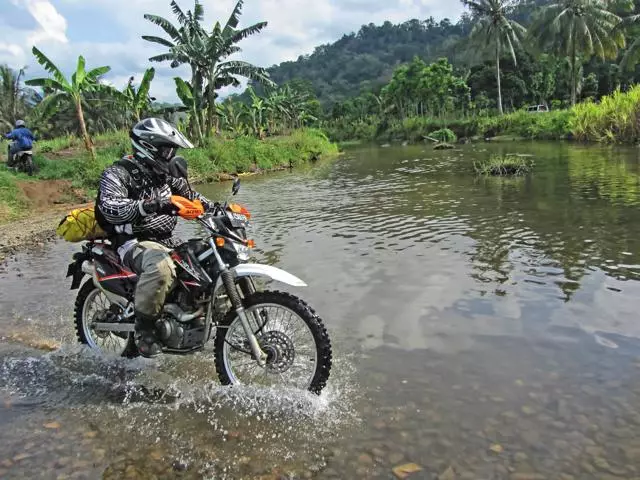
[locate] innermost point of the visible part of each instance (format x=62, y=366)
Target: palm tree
x=80, y=84
x=15, y=99
x=630, y=58
x=495, y=31
x=578, y=28
x=137, y=101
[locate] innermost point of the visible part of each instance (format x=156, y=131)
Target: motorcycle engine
x=170, y=330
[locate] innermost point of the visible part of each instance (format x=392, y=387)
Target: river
x=483, y=328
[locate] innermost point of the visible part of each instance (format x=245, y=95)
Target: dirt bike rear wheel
x=286, y=354
x=29, y=166
x=106, y=342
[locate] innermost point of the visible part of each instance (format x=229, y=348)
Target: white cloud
x=53, y=26
x=295, y=28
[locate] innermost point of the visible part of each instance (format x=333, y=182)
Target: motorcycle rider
x=134, y=208
x=22, y=138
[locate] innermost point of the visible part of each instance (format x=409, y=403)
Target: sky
x=107, y=32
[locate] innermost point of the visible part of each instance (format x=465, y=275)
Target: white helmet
x=155, y=142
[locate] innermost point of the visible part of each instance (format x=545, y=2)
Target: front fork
x=229, y=283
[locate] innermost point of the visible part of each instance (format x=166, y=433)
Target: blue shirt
x=23, y=137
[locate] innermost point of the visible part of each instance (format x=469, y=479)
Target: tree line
x=555, y=52
x=84, y=103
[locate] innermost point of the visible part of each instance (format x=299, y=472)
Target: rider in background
x=22, y=138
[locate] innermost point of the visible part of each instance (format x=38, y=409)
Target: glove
x=160, y=206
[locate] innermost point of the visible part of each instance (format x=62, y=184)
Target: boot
x=146, y=337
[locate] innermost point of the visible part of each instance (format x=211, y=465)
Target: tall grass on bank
x=616, y=119
x=234, y=155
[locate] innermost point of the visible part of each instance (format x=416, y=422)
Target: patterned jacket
x=120, y=199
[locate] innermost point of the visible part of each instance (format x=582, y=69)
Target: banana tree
x=277, y=106
x=185, y=45
x=138, y=101
x=232, y=117
x=186, y=95
x=218, y=72
x=255, y=111
x=80, y=84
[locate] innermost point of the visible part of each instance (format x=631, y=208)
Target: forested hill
x=366, y=59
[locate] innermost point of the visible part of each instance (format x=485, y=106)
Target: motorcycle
x=22, y=161
x=259, y=337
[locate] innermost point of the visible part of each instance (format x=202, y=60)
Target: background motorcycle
x=21, y=161
x=259, y=337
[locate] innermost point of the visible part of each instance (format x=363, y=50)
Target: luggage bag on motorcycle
x=80, y=224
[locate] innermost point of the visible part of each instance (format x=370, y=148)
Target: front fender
x=260, y=270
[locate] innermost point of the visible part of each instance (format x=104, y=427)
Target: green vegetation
x=221, y=156
x=616, y=119
x=503, y=165
x=496, y=32
x=256, y=133
x=81, y=82
x=206, y=53
x=579, y=29
x=12, y=200
x=443, y=135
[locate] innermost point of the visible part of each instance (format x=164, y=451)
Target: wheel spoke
x=286, y=339
x=95, y=308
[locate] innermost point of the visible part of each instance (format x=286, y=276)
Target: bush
x=503, y=165
x=444, y=135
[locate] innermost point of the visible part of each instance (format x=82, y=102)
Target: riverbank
x=31, y=207
x=66, y=175
x=614, y=119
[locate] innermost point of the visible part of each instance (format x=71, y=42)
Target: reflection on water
x=483, y=328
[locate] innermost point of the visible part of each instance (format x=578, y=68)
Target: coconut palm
x=495, y=31
x=578, y=29
x=15, y=99
x=630, y=26
x=81, y=83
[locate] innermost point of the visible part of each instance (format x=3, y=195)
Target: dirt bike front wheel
x=290, y=333
x=93, y=306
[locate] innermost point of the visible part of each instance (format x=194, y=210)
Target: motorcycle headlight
x=243, y=251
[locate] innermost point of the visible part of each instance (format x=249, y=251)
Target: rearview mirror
x=178, y=167
x=236, y=186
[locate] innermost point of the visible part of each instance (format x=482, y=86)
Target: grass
x=12, y=200
x=503, y=165
x=616, y=119
x=221, y=155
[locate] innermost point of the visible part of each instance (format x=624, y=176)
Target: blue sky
x=107, y=32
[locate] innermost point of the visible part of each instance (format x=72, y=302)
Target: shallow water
x=482, y=329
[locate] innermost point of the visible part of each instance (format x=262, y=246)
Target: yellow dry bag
x=80, y=224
